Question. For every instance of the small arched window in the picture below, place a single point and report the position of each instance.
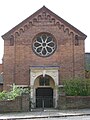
(12, 40)
(76, 41)
(44, 81)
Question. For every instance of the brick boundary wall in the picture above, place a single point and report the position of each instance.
(73, 102)
(20, 104)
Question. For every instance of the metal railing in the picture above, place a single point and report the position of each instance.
(44, 102)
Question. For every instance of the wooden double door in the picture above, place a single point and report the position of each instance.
(44, 97)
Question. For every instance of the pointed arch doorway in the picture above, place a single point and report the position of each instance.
(44, 92)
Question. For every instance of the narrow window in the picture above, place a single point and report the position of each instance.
(44, 81)
(76, 41)
(11, 41)
(41, 81)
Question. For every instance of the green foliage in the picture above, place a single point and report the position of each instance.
(2, 95)
(15, 91)
(77, 87)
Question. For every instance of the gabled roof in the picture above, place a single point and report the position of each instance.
(5, 36)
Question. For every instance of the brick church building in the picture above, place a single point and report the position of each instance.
(40, 53)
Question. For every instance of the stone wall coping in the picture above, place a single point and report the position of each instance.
(77, 96)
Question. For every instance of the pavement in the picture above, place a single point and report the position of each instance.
(46, 113)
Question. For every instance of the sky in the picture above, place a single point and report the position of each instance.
(76, 12)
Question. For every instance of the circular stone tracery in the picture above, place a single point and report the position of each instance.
(44, 44)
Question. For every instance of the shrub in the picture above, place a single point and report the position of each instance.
(77, 87)
(2, 95)
(15, 91)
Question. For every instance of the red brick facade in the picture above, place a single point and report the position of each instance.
(19, 56)
(1, 68)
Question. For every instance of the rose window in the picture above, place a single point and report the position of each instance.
(44, 44)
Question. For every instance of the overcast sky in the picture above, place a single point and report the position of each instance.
(76, 12)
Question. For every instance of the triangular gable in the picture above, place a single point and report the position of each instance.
(55, 19)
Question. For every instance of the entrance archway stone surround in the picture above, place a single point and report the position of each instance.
(36, 71)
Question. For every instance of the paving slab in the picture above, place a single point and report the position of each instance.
(46, 113)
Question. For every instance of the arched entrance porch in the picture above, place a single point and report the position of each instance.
(43, 79)
(44, 91)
